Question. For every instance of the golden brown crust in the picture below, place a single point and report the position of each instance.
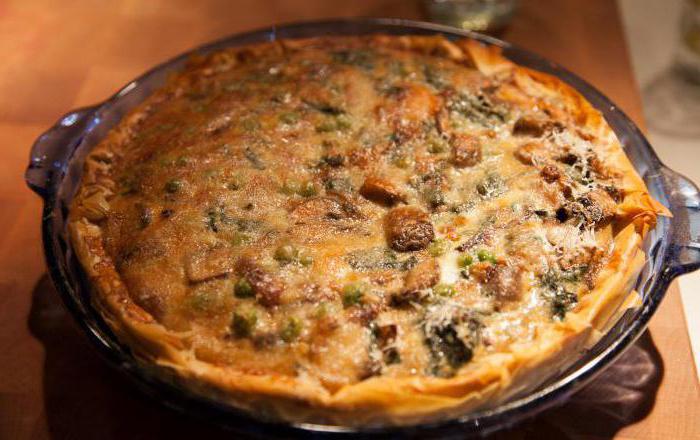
(493, 378)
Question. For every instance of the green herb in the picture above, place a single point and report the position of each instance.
(360, 58)
(243, 289)
(352, 294)
(451, 335)
(478, 108)
(379, 258)
(562, 302)
(559, 287)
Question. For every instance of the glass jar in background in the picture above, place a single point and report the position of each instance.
(688, 53)
(475, 15)
(672, 100)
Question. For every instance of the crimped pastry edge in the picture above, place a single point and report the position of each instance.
(492, 379)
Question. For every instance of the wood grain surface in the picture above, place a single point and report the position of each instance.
(60, 55)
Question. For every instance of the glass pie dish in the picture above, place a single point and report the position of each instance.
(54, 172)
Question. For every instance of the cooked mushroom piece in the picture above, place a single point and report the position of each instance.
(504, 283)
(408, 228)
(466, 151)
(266, 288)
(534, 125)
(550, 173)
(592, 209)
(381, 191)
(423, 276)
(532, 153)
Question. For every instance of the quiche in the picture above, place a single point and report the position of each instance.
(375, 230)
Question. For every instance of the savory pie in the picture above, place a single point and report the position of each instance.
(360, 230)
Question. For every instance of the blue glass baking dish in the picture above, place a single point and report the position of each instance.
(673, 247)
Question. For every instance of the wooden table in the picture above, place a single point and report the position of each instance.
(58, 56)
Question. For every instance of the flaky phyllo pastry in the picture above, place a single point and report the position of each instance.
(363, 230)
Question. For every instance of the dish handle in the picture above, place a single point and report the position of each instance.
(51, 152)
(684, 201)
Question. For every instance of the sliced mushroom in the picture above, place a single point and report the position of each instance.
(381, 191)
(534, 125)
(550, 173)
(423, 276)
(408, 228)
(267, 288)
(593, 208)
(532, 153)
(505, 283)
(466, 151)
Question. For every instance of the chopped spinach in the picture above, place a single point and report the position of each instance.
(478, 108)
(379, 258)
(451, 334)
(559, 287)
(491, 186)
(363, 59)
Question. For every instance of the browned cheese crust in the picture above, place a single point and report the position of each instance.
(370, 230)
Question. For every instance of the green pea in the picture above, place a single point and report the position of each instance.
(484, 255)
(308, 189)
(322, 311)
(436, 146)
(243, 325)
(292, 330)
(289, 118)
(444, 290)
(239, 238)
(352, 294)
(402, 162)
(342, 122)
(306, 260)
(286, 253)
(173, 186)
(465, 260)
(243, 289)
(438, 247)
(290, 187)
